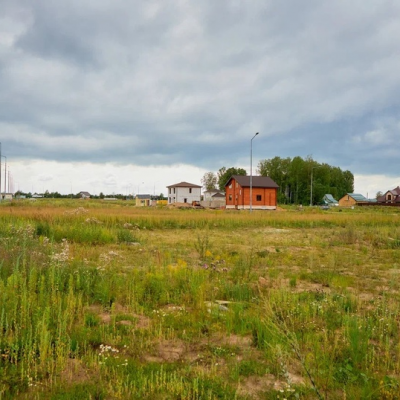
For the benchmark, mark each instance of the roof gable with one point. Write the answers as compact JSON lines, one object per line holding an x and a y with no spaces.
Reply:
{"x":257,"y":181}
{"x":184,"y":184}
{"x":330,"y":199}
{"x":357,"y":196}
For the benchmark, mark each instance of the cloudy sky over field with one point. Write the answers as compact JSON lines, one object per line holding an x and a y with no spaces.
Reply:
{"x":117,"y":96}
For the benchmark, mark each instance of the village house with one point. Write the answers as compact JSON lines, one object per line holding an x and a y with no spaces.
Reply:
{"x":390,"y":197}
{"x":6,"y":196}
{"x":84,"y":195}
{"x":352,"y":199}
{"x":208,"y":195}
{"x":184,"y":192}
{"x":213,"y":198}
{"x":264,"y":193}
{"x":329,"y":200}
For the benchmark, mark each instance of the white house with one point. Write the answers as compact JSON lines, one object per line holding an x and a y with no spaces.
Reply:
{"x":183,"y":192}
{"x":6,"y":196}
{"x":211,"y":194}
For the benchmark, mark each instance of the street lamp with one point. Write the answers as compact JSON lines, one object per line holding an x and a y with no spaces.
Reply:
{"x":251,"y":172}
{"x":5,"y":175}
{"x":312,"y":168}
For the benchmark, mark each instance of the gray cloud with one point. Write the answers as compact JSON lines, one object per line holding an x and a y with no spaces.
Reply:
{"x":188,"y":82}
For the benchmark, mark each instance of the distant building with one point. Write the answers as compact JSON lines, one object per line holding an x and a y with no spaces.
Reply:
{"x":208,"y":195}
{"x":84,"y":195}
{"x":6,"y":196}
{"x":143,"y":200}
{"x":352,"y":199}
{"x":390,"y":197}
{"x":264,"y":193}
{"x":213,"y":199}
{"x":329,"y":200}
{"x":183,"y":192}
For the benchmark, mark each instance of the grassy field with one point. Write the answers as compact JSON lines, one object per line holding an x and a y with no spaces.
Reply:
{"x":110,"y":301}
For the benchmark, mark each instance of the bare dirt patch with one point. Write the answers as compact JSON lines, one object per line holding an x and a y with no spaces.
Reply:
{"x":74,"y":372}
{"x":139,"y":321}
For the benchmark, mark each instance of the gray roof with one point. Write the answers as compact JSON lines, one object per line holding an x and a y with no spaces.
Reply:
{"x":330,"y":199}
{"x":257,"y":181}
{"x":143,"y":196}
{"x":357,"y":196}
{"x":184,"y":184}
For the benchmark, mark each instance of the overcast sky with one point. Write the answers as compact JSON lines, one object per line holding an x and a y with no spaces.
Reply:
{"x":127,"y":96}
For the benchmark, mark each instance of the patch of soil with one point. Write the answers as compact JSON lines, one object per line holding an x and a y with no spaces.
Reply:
{"x":142,"y":322}
{"x":256,"y":386}
{"x":167,"y":351}
{"x":74,"y":372}
{"x":303,"y":286}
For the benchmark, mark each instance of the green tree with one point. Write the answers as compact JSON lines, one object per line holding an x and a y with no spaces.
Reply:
{"x":225,"y":174}
{"x":294,"y":179}
{"x":278,"y":170}
{"x":209,"y":180}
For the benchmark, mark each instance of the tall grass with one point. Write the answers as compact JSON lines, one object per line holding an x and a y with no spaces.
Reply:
{"x":116,"y":302}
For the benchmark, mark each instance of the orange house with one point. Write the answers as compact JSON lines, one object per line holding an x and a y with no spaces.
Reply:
{"x":264,"y":193}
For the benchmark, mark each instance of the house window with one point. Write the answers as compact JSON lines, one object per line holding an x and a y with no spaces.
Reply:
{"x":230,"y":186}
{"x":237,"y":185}
{"x":190,"y":190}
{"x":240,"y":191}
{"x":230,"y":197}
{"x":389,"y":197}
{"x":169,"y":190}
{"x":258,"y":197}
{"x":185,"y":200}
{"x":174,"y":190}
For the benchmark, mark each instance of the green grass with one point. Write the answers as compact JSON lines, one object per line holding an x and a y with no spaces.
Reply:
{"x":108,"y":301}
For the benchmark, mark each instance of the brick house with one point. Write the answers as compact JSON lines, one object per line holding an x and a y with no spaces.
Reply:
{"x":352,"y":199}
{"x":391,"y":196}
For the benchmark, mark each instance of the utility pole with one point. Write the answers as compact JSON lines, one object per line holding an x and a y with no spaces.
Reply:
{"x":251,"y":172}
{"x":0,"y":170}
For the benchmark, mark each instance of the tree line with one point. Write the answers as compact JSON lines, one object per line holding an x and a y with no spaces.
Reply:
{"x":298,"y":179}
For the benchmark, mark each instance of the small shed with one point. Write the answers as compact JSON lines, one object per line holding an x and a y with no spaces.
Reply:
{"x":143,"y":200}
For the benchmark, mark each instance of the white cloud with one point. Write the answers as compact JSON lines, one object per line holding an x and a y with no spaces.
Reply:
{"x":160,"y":83}
{"x":94,"y":178}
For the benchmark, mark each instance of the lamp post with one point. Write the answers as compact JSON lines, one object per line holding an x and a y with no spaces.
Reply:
{"x":5,"y":175}
{"x":312,"y":168}
{"x":251,"y":172}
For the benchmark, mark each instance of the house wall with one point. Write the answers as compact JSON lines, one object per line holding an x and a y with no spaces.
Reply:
{"x":213,"y":203}
{"x":347,"y":201}
{"x":183,"y":195}
{"x":239,"y":198}
{"x":6,"y":196}
{"x":389,"y":196}
{"x":143,"y":202}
